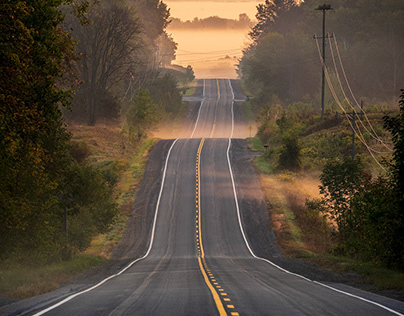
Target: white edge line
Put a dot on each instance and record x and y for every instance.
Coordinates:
(200, 108)
(130, 264)
(359, 298)
(282, 269)
(232, 111)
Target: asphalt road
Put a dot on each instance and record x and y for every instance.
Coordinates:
(199, 262)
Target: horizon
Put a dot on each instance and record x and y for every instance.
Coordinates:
(210, 52)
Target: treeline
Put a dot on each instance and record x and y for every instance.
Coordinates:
(89, 61)
(212, 22)
(361, 197)
(283, 59)
(121, 50)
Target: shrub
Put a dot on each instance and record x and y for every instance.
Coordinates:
(290, 153)
(80, 151)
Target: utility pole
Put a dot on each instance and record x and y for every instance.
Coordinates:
(353, 122)
(324, 8)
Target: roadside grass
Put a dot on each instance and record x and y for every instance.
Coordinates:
(303, 234)
(130, 179)
(20, 280)
(250, 118)
(108, 150)
(380, 278)
(189, 88)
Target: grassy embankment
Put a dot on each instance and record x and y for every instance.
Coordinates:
(303, 234)
(108, 148)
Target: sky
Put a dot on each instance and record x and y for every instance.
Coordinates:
(187, 10)
(214, 53)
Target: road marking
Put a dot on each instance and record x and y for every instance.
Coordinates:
(133, 262)
(201, 253)
(199, 111)
(280, 268)
(217, 103)
(232, 110)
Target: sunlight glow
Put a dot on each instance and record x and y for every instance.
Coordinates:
(211, 53)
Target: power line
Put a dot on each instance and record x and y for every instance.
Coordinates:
(375, 136)
(210, 52)
(327, 77)
(353, 96)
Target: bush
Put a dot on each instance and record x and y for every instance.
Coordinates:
(80, 151)
(91, 209)
(367, 213)
(290, 153)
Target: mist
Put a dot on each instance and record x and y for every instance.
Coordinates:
(212, 53)
(211, 35)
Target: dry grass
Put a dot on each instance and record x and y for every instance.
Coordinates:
(298, 230)
(21, 281)
(106, 141)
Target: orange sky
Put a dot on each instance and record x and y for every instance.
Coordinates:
(213, 53)
(187, 10)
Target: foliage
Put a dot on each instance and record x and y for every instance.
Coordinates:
(282, 58)
(154, 16)
(36, 167)
(268, 14)
(33, 141)
(289, 157)
(190, 73)
(92, 208)
(107, 47)
(142, 114)
(80, 151)
(341, 180)
(366, 211)
(395, 125)
(377, 225)
(212, 22)
(165, 93)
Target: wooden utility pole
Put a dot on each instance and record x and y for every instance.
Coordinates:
(324, 8)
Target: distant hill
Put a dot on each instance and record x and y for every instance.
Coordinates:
(213, 22)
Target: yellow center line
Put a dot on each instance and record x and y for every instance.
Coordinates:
(201, 253)
(217, 103)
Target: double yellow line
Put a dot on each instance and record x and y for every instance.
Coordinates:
(217, 104)
(208, 276)
(201, 253)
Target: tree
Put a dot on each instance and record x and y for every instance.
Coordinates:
(189, 72)
(340, 181)
(154, 16)
(165, 94)
(36, 168)
(107, 48)
(267, 15)
(142, 114)
(369, 34)
(166, 49)
(34, 52)
(395, 125)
